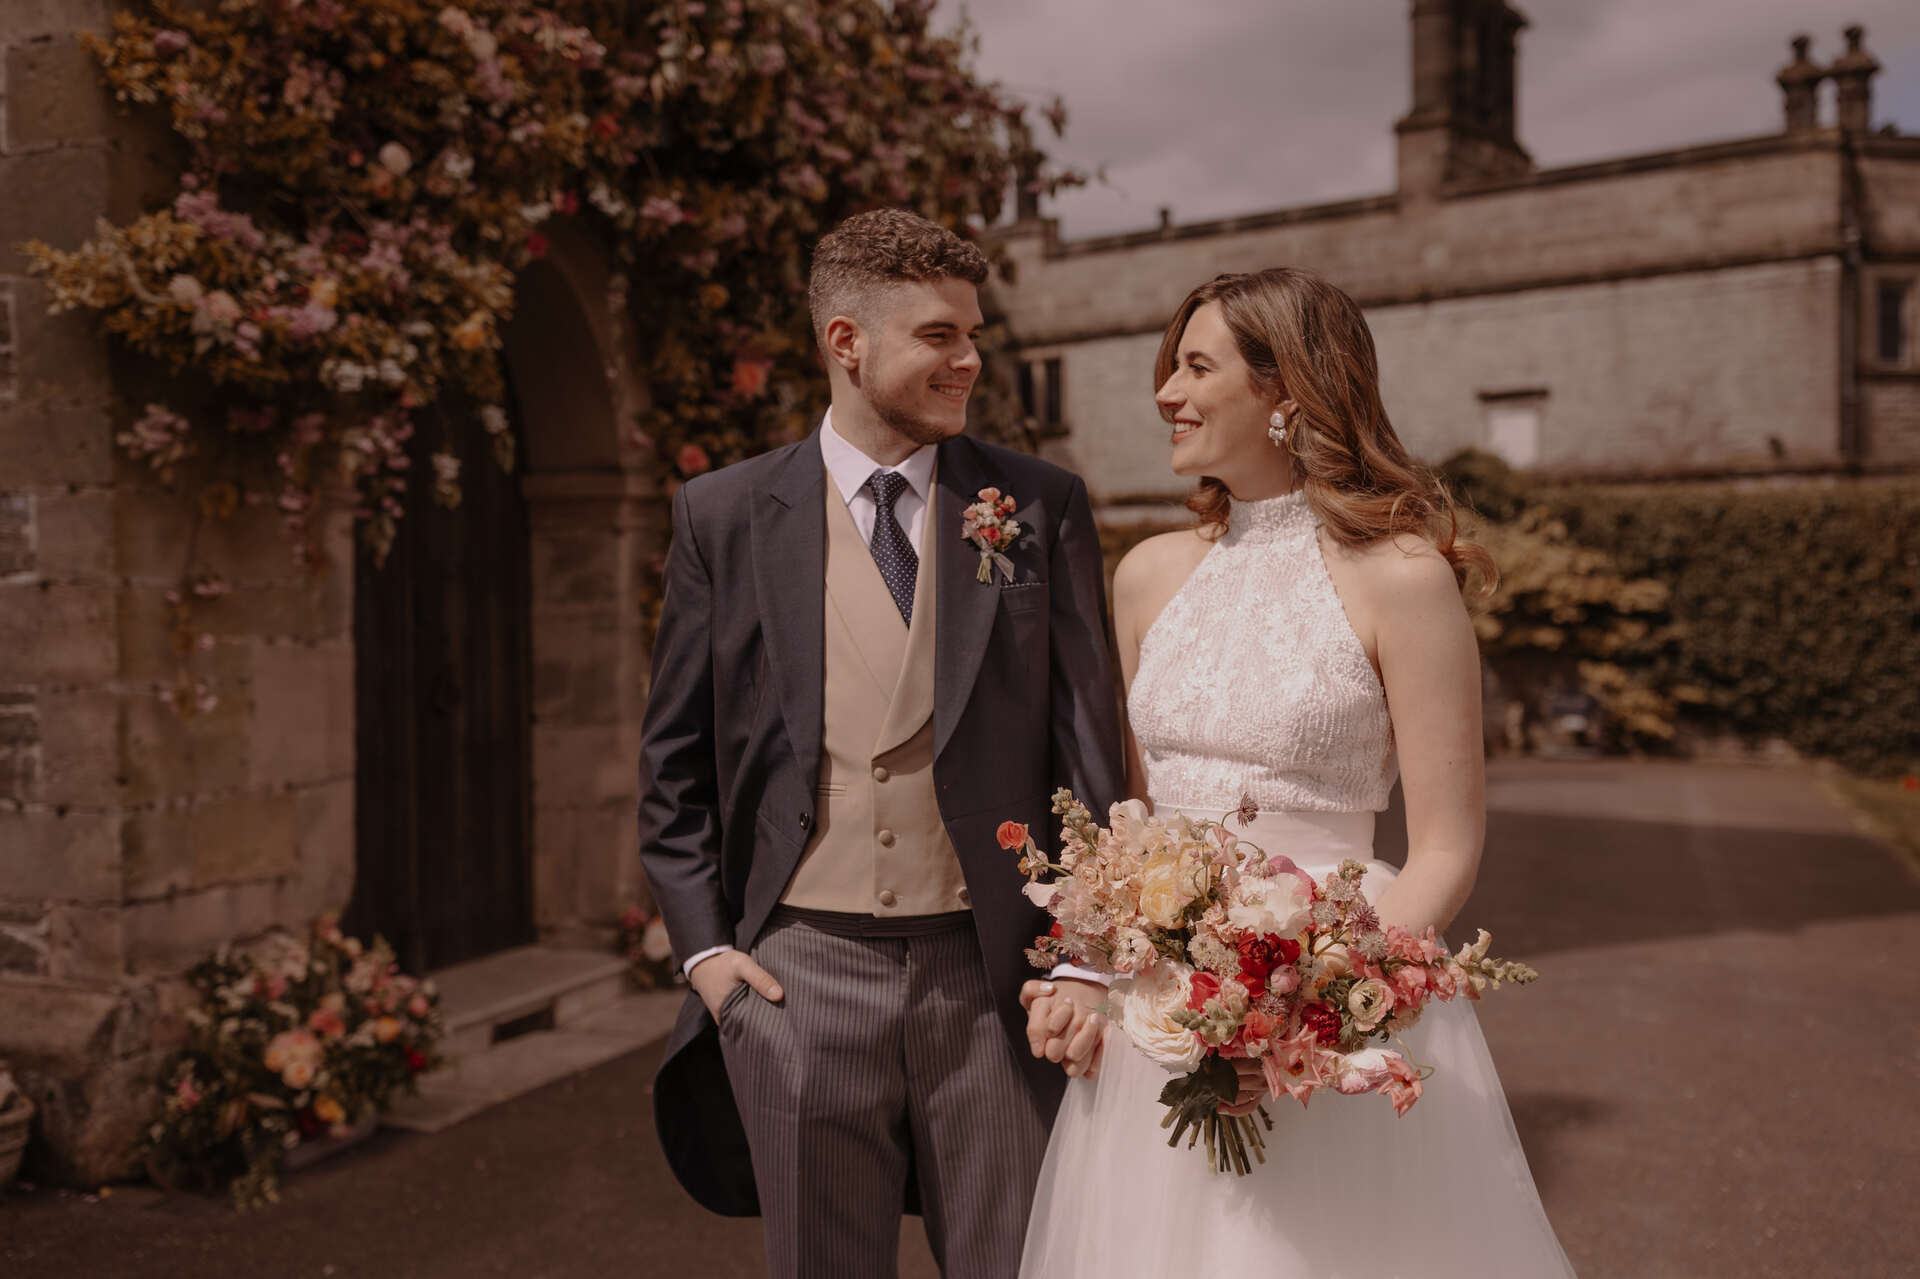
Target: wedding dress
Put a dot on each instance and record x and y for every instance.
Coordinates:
(1252, 681)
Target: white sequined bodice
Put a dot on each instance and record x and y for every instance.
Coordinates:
(1252, 681)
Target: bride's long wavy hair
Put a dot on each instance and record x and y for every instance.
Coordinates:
(1304, 339)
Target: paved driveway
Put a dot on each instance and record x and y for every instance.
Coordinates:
(1716, 1077)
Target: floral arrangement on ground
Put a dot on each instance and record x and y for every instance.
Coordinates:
(290, 1042)
(643, 940)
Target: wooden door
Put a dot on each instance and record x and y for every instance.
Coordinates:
(443, 763)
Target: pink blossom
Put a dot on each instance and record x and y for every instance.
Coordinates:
(1361, 1072)
(187, 1095)
(750, 376)
(661, 209)
(1294, 1065)
(1403, 1088)
(170, 40)
(692, 459)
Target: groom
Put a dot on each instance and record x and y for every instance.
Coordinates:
(842, 713)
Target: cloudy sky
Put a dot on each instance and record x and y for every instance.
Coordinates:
(1217, 107)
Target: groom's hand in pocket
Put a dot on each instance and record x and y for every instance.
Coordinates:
(714, 978)
(1065, 1023)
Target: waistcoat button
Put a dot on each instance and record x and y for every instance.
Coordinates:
(886, 838)
(887, 898)
(880, 773)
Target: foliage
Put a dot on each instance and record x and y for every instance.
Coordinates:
(294, 1044)
(1797, 608)
(1782, 611)
(365, 179)
(1565, 615)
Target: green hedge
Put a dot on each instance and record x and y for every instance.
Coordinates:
(1796, 609)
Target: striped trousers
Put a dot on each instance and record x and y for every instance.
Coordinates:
(885, 1056)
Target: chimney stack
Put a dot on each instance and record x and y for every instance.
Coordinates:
(1462, 125)
(1852, 74)
(1799, 83)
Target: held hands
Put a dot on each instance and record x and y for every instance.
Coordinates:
(1064, 1023)
(714, 978)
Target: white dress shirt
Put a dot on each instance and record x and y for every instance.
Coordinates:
(850, 470)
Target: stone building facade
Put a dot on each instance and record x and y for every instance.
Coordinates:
(134, 841)
(1736, 308)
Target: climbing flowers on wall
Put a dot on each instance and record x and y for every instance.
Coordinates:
(363, 181)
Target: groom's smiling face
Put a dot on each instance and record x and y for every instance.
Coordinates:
(918, 357)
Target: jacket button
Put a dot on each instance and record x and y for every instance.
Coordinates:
(806, 820)
(966, 898)
(886, 838)
(887, 898)
(880, 773)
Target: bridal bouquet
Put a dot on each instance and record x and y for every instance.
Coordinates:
(1220, 950)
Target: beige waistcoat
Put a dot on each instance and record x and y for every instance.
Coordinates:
(879, 846)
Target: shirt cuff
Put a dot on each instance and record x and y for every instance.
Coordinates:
(1084, 974)
(708, 953)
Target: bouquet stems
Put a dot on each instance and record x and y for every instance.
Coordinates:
(1234, 1142)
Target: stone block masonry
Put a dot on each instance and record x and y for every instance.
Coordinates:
(132, 841)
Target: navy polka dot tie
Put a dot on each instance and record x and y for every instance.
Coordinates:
(899, 566)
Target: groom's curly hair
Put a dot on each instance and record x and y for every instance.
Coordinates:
(858, 261)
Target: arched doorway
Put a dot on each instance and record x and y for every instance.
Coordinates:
(442, 679)
(502, 656)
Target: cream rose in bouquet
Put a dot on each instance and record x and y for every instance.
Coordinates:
(1220, 950)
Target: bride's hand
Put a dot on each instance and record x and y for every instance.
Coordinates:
(1253, 1088)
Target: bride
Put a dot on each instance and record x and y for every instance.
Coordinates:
(1306, 641)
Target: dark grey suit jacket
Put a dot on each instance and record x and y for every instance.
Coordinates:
(1023, 703)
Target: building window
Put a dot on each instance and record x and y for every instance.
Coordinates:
(1042, 391)
(1513, 425)
(1891, 323)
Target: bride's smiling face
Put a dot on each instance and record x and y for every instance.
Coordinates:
(1219, 416)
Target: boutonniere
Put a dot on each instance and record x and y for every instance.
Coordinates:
(987, 526)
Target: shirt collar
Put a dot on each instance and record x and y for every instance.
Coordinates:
(850, 468)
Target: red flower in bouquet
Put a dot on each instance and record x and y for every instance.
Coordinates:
(1323, 1021)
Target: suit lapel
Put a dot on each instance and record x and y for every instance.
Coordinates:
(967, 606)
(790, 565)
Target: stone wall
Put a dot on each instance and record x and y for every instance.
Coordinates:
(133, 840)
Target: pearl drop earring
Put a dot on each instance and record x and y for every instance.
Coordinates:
(1277, 429)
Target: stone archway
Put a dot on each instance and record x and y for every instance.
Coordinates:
(598, 521)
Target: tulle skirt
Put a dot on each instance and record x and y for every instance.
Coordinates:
(1348, 1188)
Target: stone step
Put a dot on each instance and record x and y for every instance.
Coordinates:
(527, 988)
(475, 1081)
